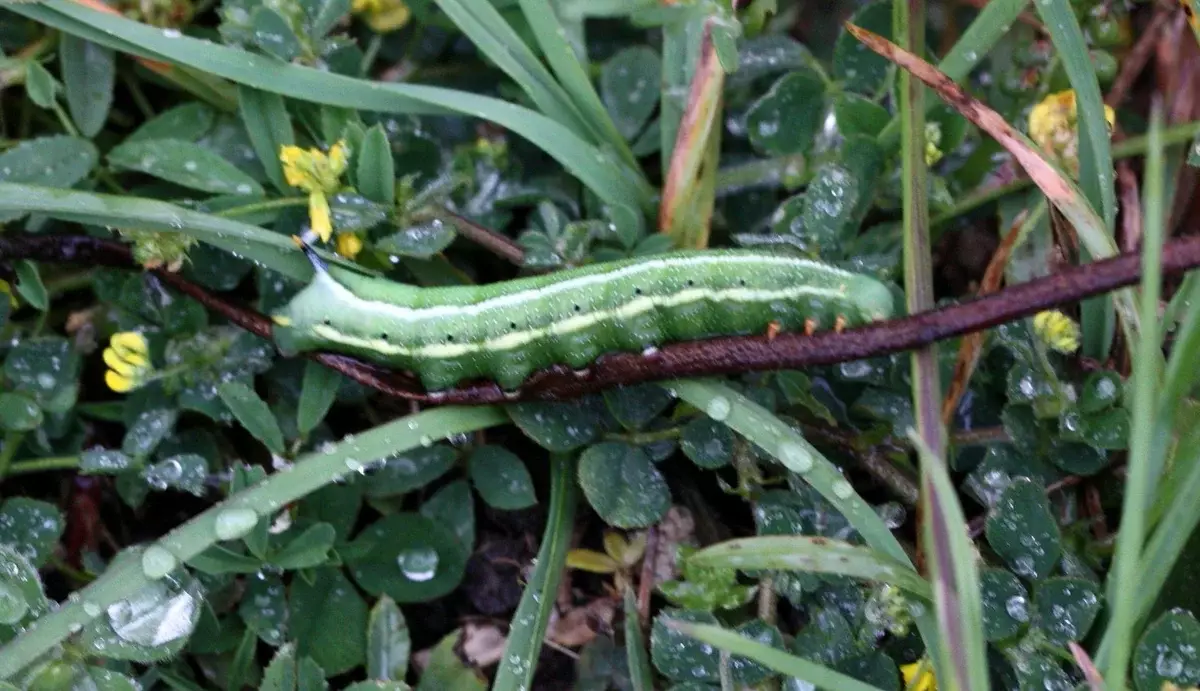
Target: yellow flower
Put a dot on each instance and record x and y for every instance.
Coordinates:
(128, 360)
(1054, 126)
(383, 15)
(8, 289)
(319, 174)
(349, 245)
(1057, 331)
(919, 676)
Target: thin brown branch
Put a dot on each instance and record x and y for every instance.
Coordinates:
(726, 355)
(1137, 58)
(498, 244)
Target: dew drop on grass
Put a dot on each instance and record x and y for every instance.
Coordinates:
(234, 523)
(795, 457)
(842, 489)
(718, 408)
(157, 562)
(418, 564)
(12, 604)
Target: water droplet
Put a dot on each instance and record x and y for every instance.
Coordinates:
(91, 608)
(12, 604)
(158, 562)
(718, 408)
(795, 457)
(418, 564)
(1017, 608)
(842, 489)
(234, 523)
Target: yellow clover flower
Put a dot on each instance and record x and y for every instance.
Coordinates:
(1057, 330)
(1054, 126)
(919, 676)
(383, 15)
(933, 140)
(128, 360)
(349, 245)
(319, 174)
(8, 290)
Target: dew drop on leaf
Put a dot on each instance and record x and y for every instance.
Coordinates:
(234, 523)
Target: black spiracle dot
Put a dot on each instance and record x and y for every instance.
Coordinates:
(512, 326)
(383, 337)
(691, 282)
(449, 339)
(578, 308)
(326, 321)
(742, 282)
(637, 291)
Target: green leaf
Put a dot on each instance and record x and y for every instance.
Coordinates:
(745, 670)
(629, 87)
(636, 406)
(317, 392)
(189, 121)
(40, 85)
(329, 620)
(1022, 530)
(410, 470)
(408, 557)
(57, 161)
(89, 74)
(99, 461)
(784, 120)
(186, 472)
(637, 657)
(446, 670)
(376, 172)
(858, 115)
(454, 506)
(183, 163)
(18, 412)
(47, 370)
(1169, 651)
(501, 478)
(1066, 608)
(559, 427)
(422, 240)
(1006, 608)
(308, 549)
(388, 642)
(676, 655)
(30, 286)
(859, 68)
(274, 34)
(269, 128)
(280, 675)
(623, 485)
(22, 591)
(264, 608)
(708, 443)
(31, 526)
(254, 414)
(827, 638)
(148, 430)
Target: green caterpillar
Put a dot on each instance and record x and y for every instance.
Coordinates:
(506, 331)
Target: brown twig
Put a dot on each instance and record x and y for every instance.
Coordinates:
(1137, 58)
(718, 356)
(487, 238)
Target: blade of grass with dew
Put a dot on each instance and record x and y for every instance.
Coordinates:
(310, 473)
(573, 76)
(680, 57)
(1127, 576)
(793, 451)
(490, 32)
(818, 675)
(270, 249)
(951, 559)
(812, 555)
(989, 26)
(641, 676)
(1058, 188)
(908, 21)
(529, 622)
(581, 159)
(1096, 175)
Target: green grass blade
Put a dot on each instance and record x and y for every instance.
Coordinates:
(955, 577)
(582, 159)
(492, 35)
(641, 676)
(532, 617)
(1095, 154)
(310, 473)
(573, 75)
(819, 676)
(813, 555)
(1127, 577)
(989, 26)
(273, 250)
